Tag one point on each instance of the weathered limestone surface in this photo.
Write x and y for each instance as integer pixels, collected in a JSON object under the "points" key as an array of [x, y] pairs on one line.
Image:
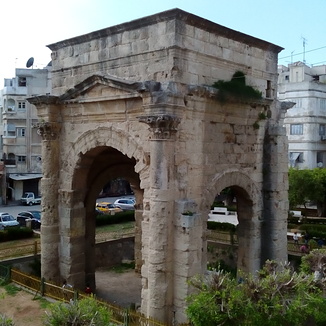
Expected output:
{"points": [[134, 101]]}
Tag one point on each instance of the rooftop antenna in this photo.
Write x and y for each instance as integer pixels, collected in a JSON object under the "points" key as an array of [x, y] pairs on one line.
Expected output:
{"points": [[304, 42], [30, 62], [292, 56]]}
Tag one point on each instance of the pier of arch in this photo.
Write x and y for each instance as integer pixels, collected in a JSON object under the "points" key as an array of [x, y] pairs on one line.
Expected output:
{"points": [[134, 101]]}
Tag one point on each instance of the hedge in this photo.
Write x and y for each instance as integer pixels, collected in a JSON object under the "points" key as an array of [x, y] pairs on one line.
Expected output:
{"points": [[16, 233], [221, 226], [314, 231], [122, 217]]}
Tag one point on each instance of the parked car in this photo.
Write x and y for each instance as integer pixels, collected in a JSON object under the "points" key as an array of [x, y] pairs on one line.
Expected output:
{"points": [[7, 220], [107, 208], [34, 216], [126, 204], [29, 198]]}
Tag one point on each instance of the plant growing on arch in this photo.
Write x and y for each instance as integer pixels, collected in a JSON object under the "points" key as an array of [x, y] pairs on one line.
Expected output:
{"points": [[236, 88]]}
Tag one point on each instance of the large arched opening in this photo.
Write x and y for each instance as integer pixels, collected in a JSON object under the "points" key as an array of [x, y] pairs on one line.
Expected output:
{"points": [[93, 161]]}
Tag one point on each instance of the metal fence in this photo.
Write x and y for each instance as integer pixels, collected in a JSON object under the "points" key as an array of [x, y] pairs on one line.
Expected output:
{"points": [[32, 248], [120, 316]]}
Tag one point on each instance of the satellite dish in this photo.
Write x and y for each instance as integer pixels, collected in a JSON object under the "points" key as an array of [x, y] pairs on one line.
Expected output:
{"points": [[30, 62]]}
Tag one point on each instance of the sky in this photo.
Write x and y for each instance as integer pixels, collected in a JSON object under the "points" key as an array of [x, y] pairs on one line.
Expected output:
{"points": [[28, 26]]}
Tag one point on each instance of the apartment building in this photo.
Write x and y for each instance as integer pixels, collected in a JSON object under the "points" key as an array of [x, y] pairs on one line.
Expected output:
{"points": [[306, 122], [20, 143]]}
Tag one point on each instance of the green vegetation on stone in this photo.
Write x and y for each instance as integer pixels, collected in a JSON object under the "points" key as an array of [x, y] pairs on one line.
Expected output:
{"points": [[236, 88]]}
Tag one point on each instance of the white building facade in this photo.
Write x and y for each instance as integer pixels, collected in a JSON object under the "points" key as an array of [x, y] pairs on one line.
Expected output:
{"points": [[305, 122], [20, 143]]}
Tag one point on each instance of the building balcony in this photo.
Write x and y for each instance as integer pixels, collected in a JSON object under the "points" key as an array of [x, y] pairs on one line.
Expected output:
{"points": [[12, 90], [9, 162]]}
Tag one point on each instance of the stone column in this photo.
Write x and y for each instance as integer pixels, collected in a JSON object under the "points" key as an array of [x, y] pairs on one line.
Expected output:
{"points": [[188, 253], [275, 192], [49, 190], [157, 271]]}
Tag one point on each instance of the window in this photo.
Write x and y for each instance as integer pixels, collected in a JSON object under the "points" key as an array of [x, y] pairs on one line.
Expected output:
{"points": [[22, 105], [320, 159], [21, 132], [287, 77], [21, 159], [9, 130], [323, 104], [22, 81], [296, 129], [269, 89], [295, 157], [322, 130], [297, 101]]}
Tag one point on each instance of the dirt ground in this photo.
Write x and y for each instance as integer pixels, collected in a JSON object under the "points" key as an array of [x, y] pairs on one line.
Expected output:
{"points": [[120, 288]]}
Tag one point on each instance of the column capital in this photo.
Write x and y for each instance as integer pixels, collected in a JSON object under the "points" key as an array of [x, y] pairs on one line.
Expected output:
{"points": [[163, 126], [47, 130]]}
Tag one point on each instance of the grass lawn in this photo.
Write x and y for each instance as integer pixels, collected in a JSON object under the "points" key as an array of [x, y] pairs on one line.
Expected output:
{"points": [[127, 226]]}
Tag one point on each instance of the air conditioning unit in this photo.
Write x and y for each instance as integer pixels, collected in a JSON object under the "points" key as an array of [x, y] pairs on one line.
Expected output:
{"points": [[323, 137]]}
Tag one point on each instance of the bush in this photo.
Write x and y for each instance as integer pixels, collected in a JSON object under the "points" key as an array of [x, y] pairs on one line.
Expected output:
{"points": [[5, 321], [221, 226], [16, 233], [315, 231], [275, 296], [237, 88], [80, 313], [122, 217]]}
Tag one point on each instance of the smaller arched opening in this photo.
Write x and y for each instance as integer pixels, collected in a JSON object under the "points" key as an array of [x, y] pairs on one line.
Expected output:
{"points": [[234, 212], [229, 222]]}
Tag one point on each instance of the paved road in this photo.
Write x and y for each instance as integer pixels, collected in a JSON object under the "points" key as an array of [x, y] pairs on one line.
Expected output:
{"points": [[15, 209]]}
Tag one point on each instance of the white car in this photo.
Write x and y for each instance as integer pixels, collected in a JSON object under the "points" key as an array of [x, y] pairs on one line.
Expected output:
{"points": [[126, 204], [7, 220]]}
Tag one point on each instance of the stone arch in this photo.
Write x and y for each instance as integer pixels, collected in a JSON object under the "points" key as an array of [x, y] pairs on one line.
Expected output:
{"points": [[109, 136], [249, 211], [84, 189], [228, 178]]}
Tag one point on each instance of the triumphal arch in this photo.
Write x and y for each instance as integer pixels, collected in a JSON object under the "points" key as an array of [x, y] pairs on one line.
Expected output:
{"points": [[136, 101]]}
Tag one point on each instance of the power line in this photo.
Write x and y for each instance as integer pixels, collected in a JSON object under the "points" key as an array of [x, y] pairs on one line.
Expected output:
{"points": [[292, 55]]}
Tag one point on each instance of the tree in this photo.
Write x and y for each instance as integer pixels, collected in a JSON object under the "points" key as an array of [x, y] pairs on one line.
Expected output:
{"points": [[276, 296], [308, 185]]}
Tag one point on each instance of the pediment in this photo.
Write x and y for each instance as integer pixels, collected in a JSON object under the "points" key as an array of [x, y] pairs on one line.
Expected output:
{"points": [[100, 88]]}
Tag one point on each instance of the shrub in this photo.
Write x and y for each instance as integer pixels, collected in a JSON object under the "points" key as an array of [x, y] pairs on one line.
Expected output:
{"points": [[5, 321], [314, 261], [222, 226], [15, 233], [81, 312], [122, 217], [314, 230], [276, 296], [236, 87]]}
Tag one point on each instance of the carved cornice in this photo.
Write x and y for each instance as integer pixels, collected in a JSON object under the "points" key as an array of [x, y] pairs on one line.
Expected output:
{"points": [[163, 126], [47, 130]]}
